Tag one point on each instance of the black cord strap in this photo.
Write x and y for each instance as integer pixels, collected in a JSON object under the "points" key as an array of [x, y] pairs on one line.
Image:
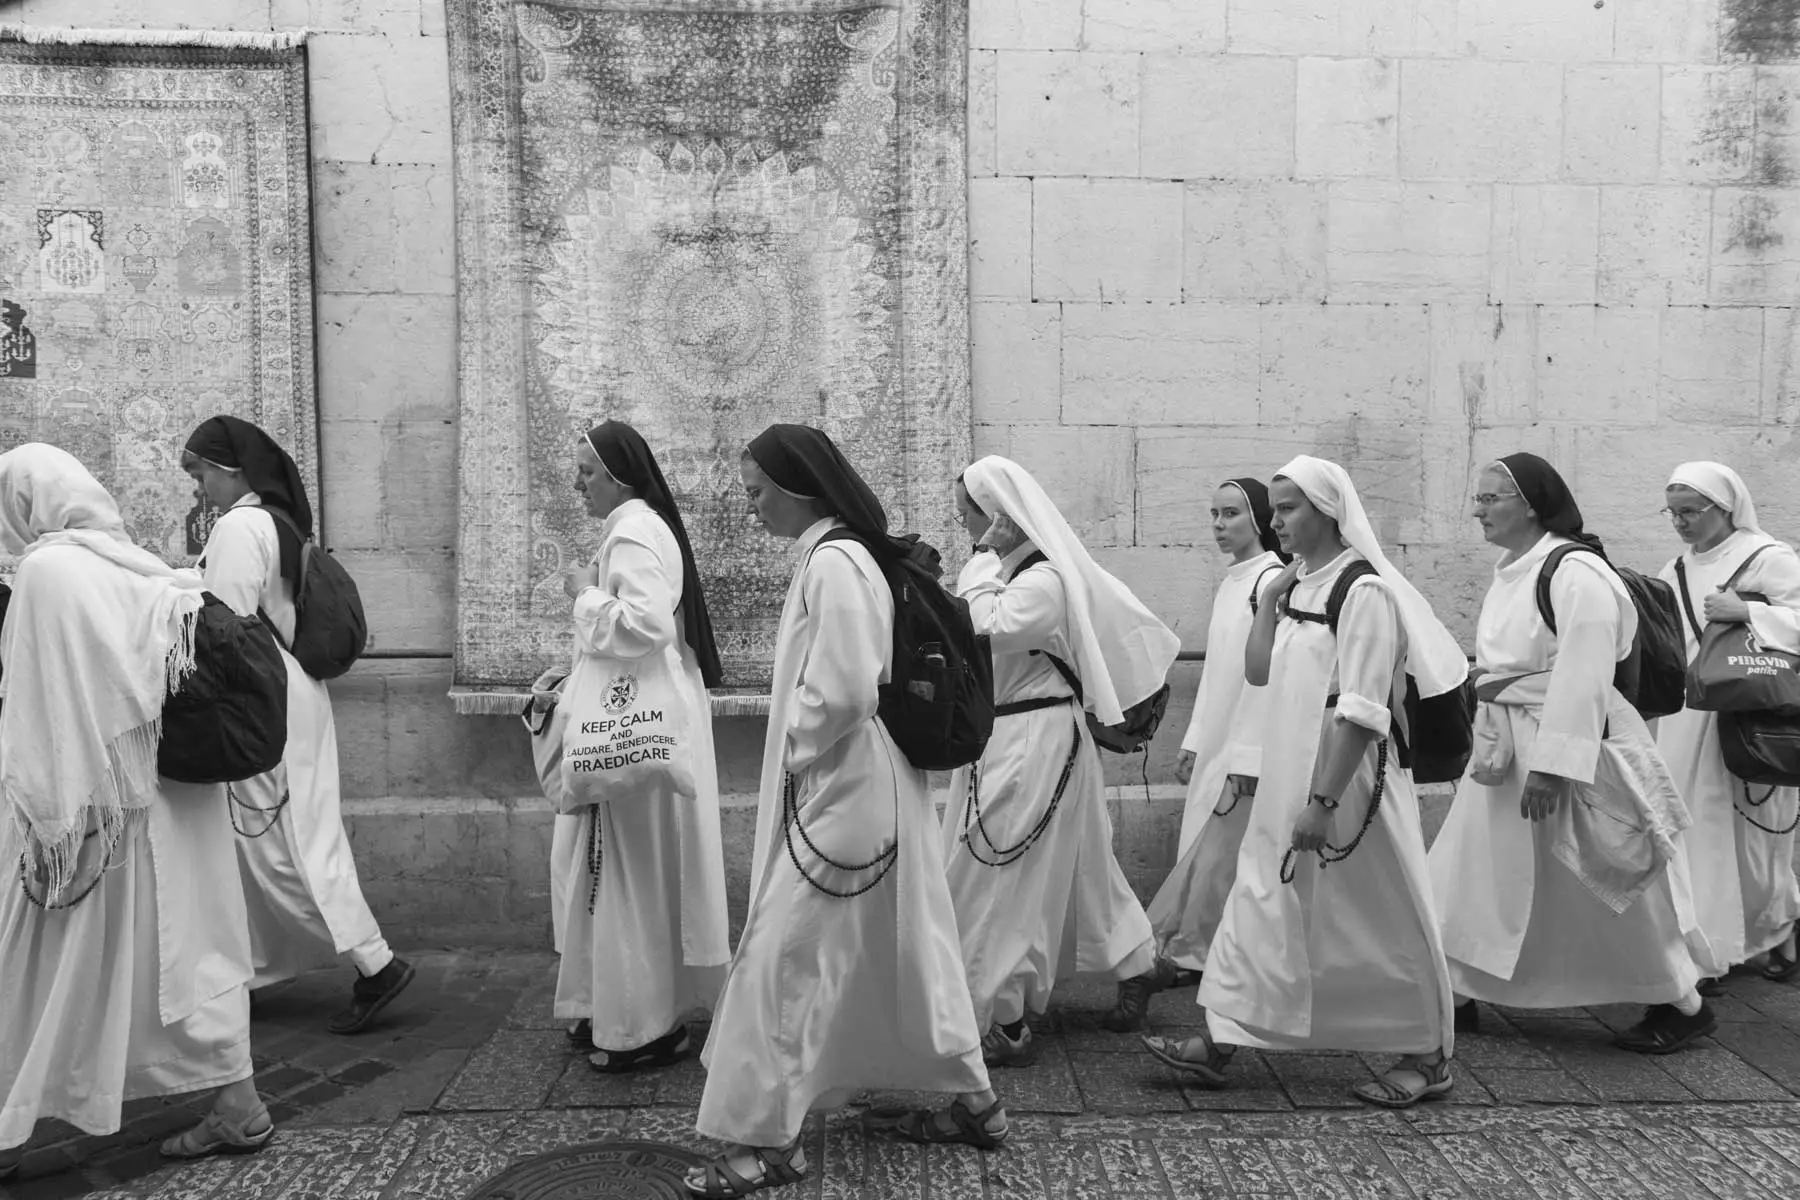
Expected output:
{"points": [[1011, 854], [790, 824], [1329, 854]]}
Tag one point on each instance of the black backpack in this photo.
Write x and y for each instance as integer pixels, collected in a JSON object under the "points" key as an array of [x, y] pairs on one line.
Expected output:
{"points": [[1140, 721], [5, 603], [1436, 733], [330, 630], [1653, 677], [228, 720], [938, 705]]}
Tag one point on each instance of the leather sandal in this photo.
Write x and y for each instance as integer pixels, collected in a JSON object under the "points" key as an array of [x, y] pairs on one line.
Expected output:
{"points": [[1434, 1080], [219, 1134], [1780, 968], [671, 1047], [967, 1127], [719, 1182], [1210, 1069]]}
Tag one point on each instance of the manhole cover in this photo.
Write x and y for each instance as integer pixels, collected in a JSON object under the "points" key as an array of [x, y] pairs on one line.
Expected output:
{"points": [[597, 1171]]}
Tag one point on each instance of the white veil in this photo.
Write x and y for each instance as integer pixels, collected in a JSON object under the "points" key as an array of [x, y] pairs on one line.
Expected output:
{"points": [[1122, 652], [1434, 659]]}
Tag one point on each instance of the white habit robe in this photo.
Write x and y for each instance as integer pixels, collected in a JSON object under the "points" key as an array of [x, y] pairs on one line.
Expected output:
{"points": [[1519, 926], [653, 950], [1743, 877], [1345, 957], [304, 900], [828, 995], [1224, 737], [1064, 906], [138, 990]]}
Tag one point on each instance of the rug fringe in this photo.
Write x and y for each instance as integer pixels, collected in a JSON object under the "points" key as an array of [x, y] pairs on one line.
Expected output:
{"points": [[218, 39]]}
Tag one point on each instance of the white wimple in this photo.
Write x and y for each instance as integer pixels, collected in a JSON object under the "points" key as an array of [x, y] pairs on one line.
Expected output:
{"points": [[222, 39]]}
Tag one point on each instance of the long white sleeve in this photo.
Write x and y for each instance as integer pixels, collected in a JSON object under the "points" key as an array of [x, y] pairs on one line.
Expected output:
{"points": [[239, 556], [849, 642], [1587, 633], [1017, 616], [1368, 649], [631, 613]]}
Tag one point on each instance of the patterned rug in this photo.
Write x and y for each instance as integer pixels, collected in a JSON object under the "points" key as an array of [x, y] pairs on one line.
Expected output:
{"points": [[700, 218], [155, 261]]}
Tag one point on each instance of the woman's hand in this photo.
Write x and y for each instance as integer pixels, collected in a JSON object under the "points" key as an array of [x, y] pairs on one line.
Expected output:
{"points": [[1312, 826], [1184, 766], [1281, 585], [1003, 535], [1726, 608], [579, 578], [1543, 794]]}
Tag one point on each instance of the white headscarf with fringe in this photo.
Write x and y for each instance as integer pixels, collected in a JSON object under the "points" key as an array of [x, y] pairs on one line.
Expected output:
{"points": [[98, 633], [1433, 658], [1723, 486], [1122, 652]]}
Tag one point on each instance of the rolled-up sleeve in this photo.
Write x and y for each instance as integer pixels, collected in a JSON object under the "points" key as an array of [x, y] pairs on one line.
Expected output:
{"points": [[1021, 615], [1776, 575], [1369, 645]]}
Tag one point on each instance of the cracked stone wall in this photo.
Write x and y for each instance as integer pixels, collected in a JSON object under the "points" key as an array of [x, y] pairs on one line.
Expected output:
{"points": [[1205, 235]]}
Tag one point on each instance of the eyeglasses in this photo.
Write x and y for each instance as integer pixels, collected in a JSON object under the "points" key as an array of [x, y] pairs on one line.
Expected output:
{"points": [[1489, 499], [1681, 516]]}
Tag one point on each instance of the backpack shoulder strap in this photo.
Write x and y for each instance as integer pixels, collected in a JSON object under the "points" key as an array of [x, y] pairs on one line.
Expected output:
{"points": [[1256, 587], [1066, 671], [1031, 560], [1340, 590], [1552, 561], [1687, 601]]}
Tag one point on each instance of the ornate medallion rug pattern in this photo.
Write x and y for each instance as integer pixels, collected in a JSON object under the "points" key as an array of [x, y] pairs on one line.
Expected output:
{"points": [[155, 262], [700, 218]]}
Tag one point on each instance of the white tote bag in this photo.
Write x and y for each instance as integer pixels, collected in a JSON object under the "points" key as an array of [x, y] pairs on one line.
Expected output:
{"points": [[627, 736]]}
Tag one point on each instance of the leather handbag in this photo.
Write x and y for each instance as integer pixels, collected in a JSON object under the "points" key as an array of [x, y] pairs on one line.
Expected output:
{"points": [[1731, 671]]}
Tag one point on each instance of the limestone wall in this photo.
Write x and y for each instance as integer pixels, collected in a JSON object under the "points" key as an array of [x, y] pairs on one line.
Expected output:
{"points": [[1206, 235]]}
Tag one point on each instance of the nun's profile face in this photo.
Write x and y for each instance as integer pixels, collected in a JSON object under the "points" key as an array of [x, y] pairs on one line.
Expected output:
{"points": [[1697, 520], [1234, 525], [599, 490], [220, 487], [968, 513], [1302, 528], [776, 511], [1505, 517]]}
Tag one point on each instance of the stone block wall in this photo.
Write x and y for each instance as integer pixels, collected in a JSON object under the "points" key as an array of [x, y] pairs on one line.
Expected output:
{"points": [[1205, 235]]}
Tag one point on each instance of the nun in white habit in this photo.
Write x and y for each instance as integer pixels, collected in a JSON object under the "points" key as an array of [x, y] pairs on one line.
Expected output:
{"points": [[1027, 840], [301, 889], [1553, 873], [1345, 956], [123, 947], [1221, 755], [645, 941], [1740, 851], [848, 975]]}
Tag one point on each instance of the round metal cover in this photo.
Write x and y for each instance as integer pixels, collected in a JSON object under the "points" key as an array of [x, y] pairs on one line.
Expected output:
{"points": [[596, 1171]]}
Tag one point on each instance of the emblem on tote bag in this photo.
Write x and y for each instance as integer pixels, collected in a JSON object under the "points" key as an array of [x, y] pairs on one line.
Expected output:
{"points": [[621, 693]]}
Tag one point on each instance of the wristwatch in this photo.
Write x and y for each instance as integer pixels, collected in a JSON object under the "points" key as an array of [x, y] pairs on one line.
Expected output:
{"points": [[1323, 801]]}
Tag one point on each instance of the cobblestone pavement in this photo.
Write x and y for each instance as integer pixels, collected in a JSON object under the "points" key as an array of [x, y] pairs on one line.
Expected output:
{"points": [[469, 1073]]}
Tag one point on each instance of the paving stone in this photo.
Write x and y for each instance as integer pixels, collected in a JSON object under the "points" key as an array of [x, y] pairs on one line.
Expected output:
{"points": [[1308, 1170], [1613, 1075], [1755, 1159], [1535, 1087], [1252, 1087], [1424, 1167], [1249, 1168], [1320, 1081], [1595, 1163], [1479, 1165], [1497, 1050], [1716, 1074], [1366, 1170], [1147, 1086], [1769, 1047], [1047, 1086], [516, 1069], [1191, 1168], [1544, 1174], [1698, 1158]]}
